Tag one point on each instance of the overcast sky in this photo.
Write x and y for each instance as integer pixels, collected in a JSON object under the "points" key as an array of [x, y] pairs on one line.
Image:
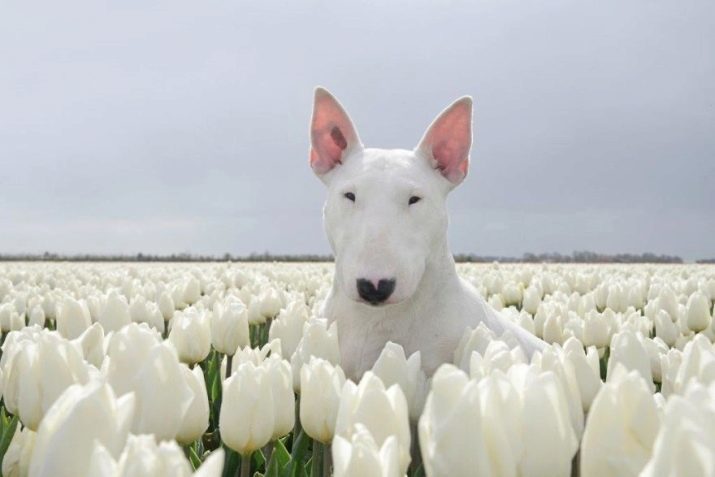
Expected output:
{"points": [[182, 126]]}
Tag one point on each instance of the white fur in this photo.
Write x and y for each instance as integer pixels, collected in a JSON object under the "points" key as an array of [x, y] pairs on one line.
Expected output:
{"points": [[380, 236]]}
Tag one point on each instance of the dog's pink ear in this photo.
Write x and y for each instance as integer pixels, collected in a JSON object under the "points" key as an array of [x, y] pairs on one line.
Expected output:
{"points": [[332, 134], [448, 140]]}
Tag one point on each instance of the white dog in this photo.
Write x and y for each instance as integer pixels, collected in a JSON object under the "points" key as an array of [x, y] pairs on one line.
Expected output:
{"points": [[386, 220]]}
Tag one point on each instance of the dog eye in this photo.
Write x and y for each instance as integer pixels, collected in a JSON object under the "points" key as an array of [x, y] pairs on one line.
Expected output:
{"points": [[350, 196], [414, 199]]}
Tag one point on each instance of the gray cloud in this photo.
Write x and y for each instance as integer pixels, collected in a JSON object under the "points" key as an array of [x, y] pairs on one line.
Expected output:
{"points": [[182, 126]]}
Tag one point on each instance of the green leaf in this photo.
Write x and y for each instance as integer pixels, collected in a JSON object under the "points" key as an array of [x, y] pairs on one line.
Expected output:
{"points": [[194, 458], [7, 433], [298, 455]]}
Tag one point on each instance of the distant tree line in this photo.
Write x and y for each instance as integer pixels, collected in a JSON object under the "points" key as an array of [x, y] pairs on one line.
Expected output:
{"points": [[575, 257]]}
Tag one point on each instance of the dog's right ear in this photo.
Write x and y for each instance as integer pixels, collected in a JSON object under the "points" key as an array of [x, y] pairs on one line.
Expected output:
{"points": [[332, 134]]}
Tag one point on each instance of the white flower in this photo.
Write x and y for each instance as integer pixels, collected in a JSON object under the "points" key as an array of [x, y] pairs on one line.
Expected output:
{"points": [[621, 427], [191, 335], [115, 313], [281, 381], [288, 327], [698, 312], [321, 385], [319, 340], [80, 417], [196, 418], [229, 326], [393, 368], [360, 456], [246, 419], [73, 318], [383, 412]]}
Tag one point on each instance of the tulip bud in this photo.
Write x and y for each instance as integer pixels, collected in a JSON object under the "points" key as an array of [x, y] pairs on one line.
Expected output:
{"points": [[383, 412], [229, 327], [684, 445], [37, 316], [91, 345], [166, 306], [393, 368], [450, 428], [281, 380], [473, 340], [81, 416], [38, 373], [321, 385], [698, 312], [627, 349], [621, 428], [319, 340], [360, 455], [115, 313], [595, 330], [531, 300], [246, 419], [142, 311], [73, 318], [288, 327], [162, 393], [196, 418], [191, 335]]}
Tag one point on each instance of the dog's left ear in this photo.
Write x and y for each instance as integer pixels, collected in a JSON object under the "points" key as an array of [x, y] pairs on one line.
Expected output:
{"points": [[447, 141]]}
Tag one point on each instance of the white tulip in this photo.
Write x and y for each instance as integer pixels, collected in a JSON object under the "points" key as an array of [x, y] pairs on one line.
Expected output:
{"points": [[622, 425], [587, 370], [627, 348], [531, 300], [288, 327], [321, 386], [163, 395], [127, 350], [360, 456], [393, 368], [37, 316], [451, 434], [166, 306], [553, 331], [246, 419], [91, 345], [80, 417], [73, 318], [38, 373], [115, 313], [142, 311], [196, 419], [665, 329], [686, 442], [191, 335], [595, 330], [472, 340], [698, 364], [191, 291], [281, 379], [229, 327], [698, 312], [383, 412], [319, 340]]}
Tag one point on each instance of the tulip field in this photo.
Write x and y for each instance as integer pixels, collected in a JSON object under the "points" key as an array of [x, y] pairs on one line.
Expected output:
{"points": [[227, 369]]}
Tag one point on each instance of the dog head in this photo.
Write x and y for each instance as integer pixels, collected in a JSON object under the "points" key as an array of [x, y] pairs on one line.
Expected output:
{"points": [[385, 213]]}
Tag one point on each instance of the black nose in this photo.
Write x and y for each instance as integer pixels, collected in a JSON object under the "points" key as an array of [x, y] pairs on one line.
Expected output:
{"points": [[373, 295]]}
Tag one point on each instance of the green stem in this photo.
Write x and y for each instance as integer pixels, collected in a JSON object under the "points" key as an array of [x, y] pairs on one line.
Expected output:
{"points": [[246, 465], [327, 461], [229, 363], [316, 466]]}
